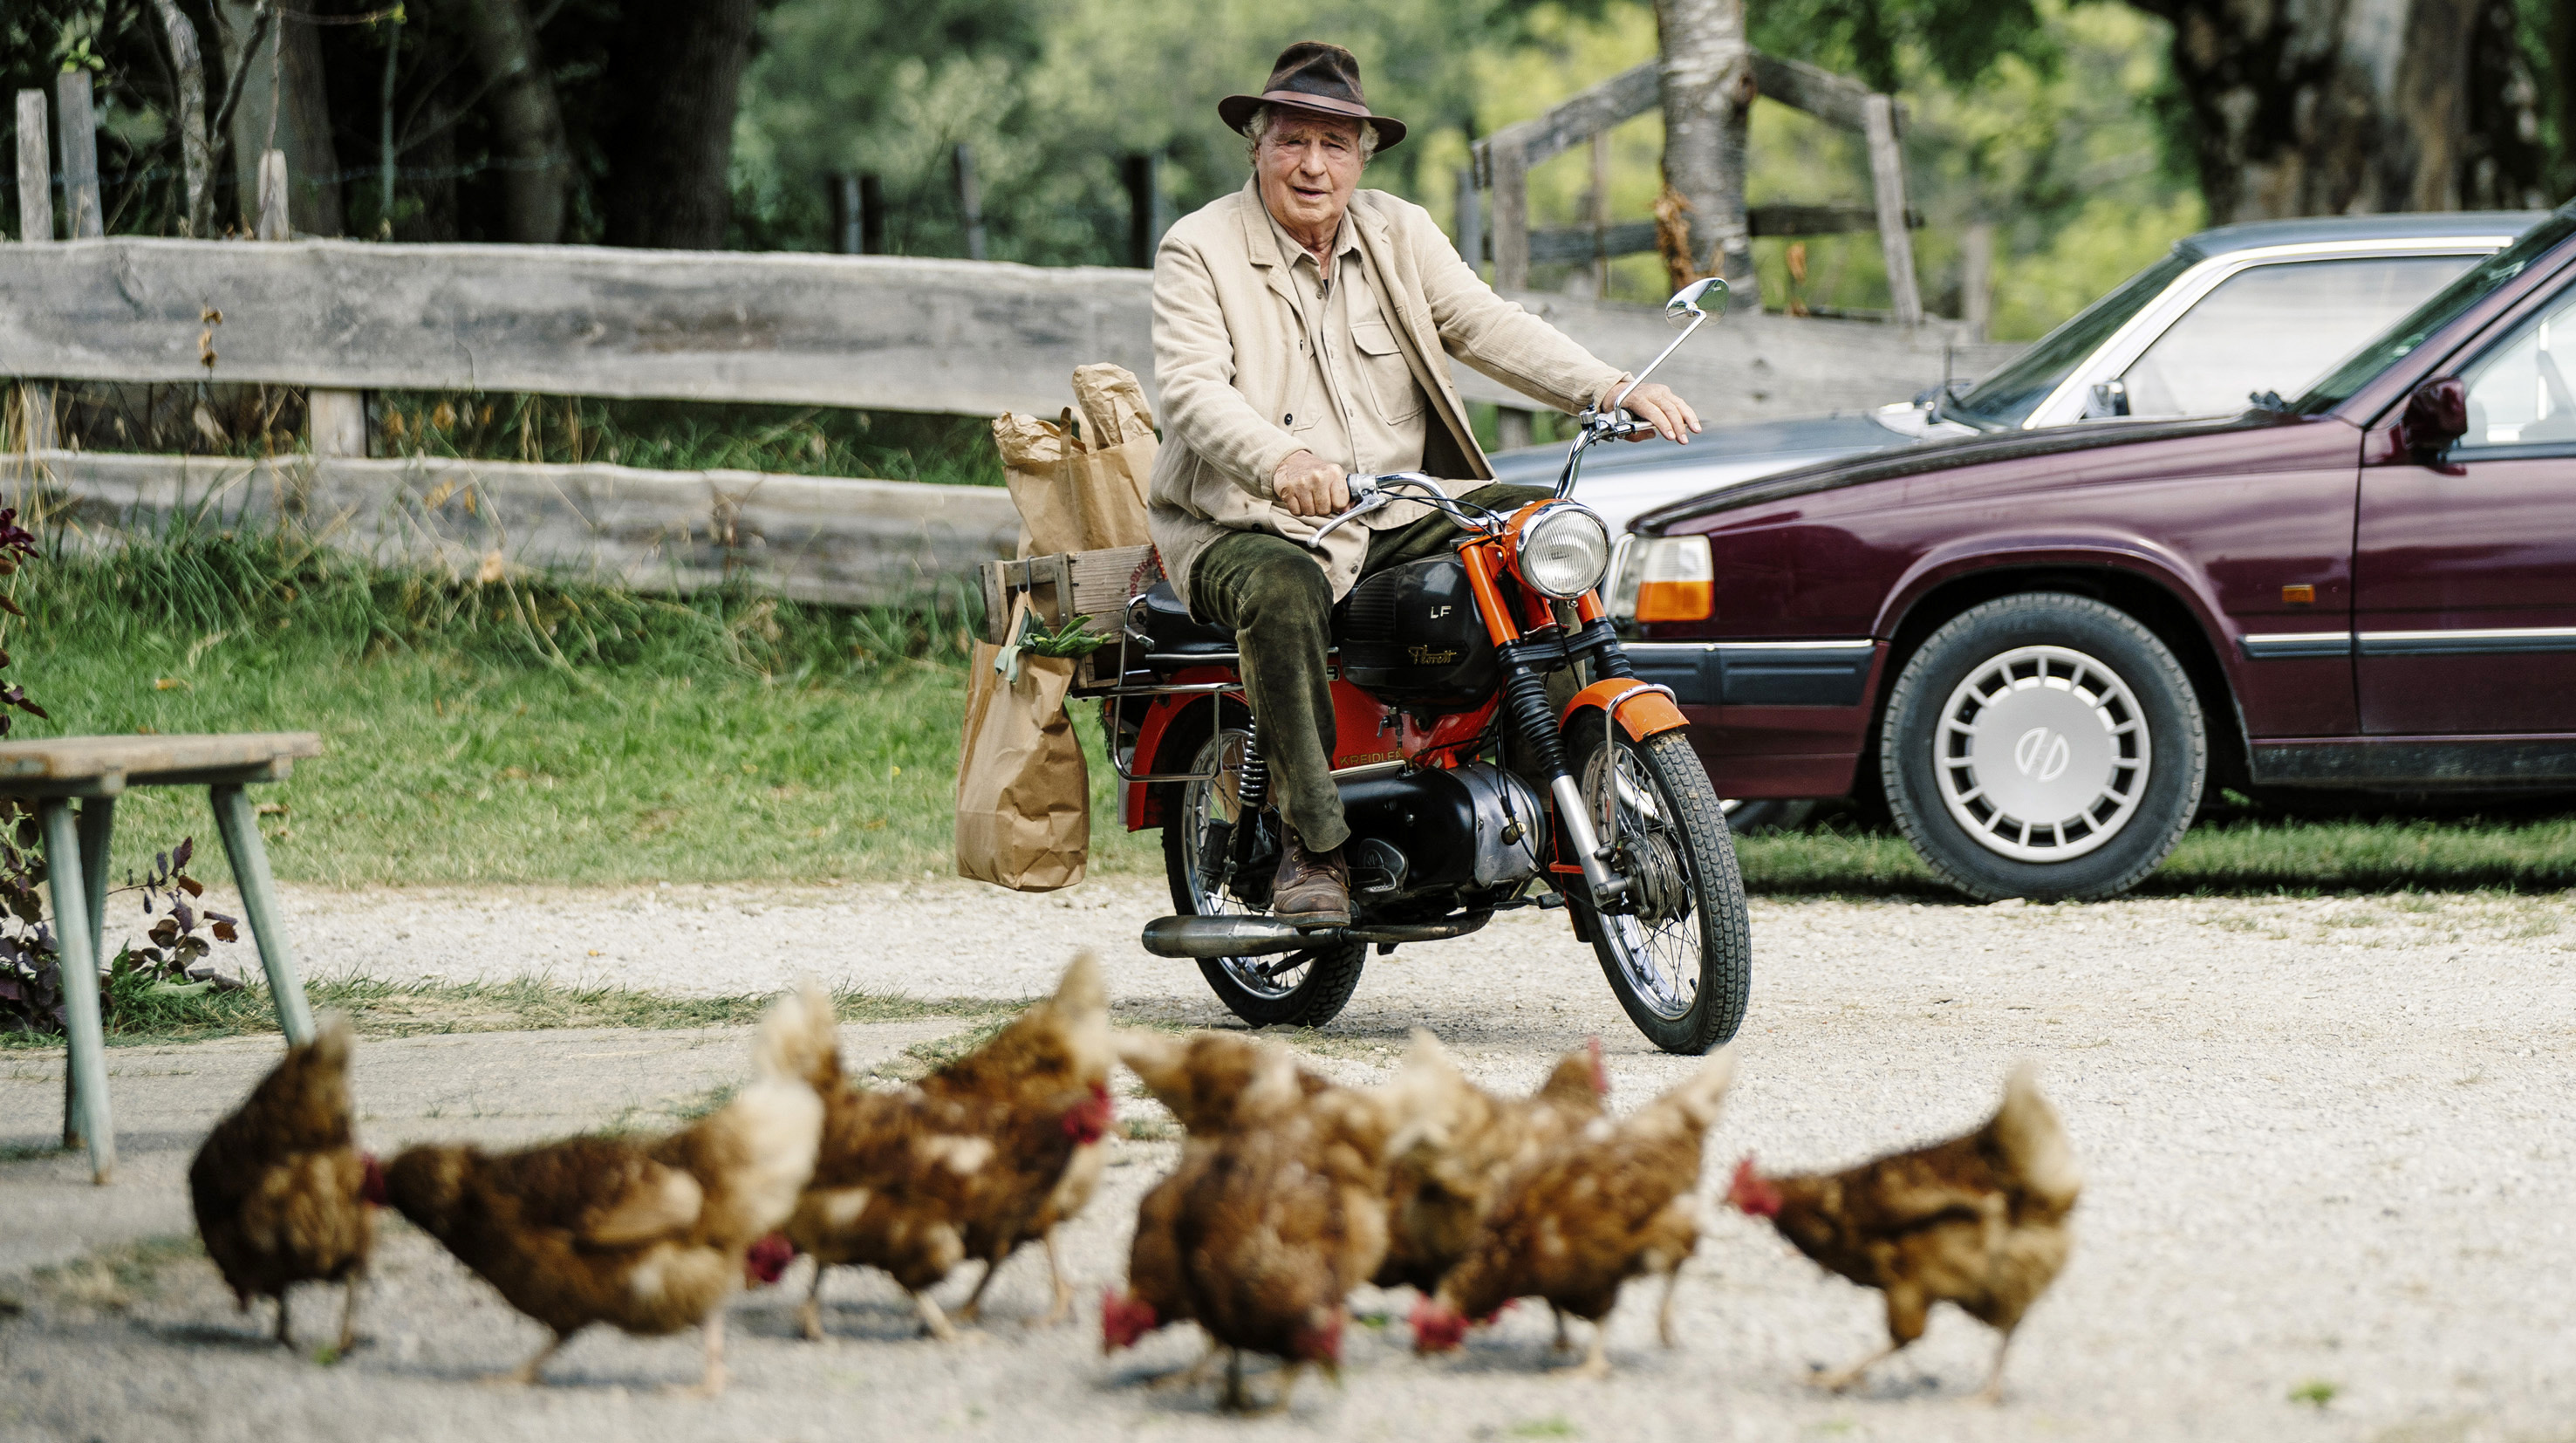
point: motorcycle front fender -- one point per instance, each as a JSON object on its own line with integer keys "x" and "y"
{"x": 1641, "y": 709}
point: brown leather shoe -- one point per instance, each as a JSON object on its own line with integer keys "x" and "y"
{"x": 1311, "y": 890}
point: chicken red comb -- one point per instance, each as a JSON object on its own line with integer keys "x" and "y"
{"x": 371, "y": 1186}
{"x": 1089, "y": 1120}
{"x": 1124, "y": 1318}
{"x": 767, "y": 1260}
{"x": 1751, "y": 1192}
{"x": 1437, "y": 1327}
{"x": 1600, "y": 1074}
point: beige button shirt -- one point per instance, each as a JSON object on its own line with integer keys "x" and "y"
{"x": 1360, "y": 406}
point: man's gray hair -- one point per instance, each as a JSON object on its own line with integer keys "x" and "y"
{"x": 1257, "y": 129}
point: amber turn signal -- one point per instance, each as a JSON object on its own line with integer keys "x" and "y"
{"x": 2302, "y": 595}
{"x": 1678, "y": 580}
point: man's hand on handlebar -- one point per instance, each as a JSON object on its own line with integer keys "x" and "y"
{"x": 1655, "y": 404}
{"x": 1310, "y": 486}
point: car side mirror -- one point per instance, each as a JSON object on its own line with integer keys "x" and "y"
{"x": 2437, "y": 414}
{"x": 2110, "y": 398}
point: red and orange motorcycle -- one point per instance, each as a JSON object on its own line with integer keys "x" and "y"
{"x": 1468, "y": 792}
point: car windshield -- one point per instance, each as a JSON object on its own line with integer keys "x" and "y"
{"x": 2006, "y": 398}
{"x": 2392, "y": 345}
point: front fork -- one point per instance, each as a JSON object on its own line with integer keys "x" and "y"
{"x": 1525, "y": 702}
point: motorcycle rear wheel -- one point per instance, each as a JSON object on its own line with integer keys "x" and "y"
{"x": 1680, "y": 956}
{"x": 1294, "y": 989}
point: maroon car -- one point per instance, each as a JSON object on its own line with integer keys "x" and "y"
{"x": 2044, "y": 647}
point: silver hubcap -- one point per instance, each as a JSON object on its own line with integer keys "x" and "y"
{"x": 1657, "y": 943}
{"x": 2042, "y": 754}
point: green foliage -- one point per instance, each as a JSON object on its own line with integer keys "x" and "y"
{"x": 1960, "y": 39}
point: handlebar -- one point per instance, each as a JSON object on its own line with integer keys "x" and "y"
{"x": 1372, "y": 493}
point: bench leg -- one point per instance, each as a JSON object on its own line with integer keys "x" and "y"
{"x": 77, "y": 948}
{"x": 97, "y": 823}
{"x": 238, "y": 822}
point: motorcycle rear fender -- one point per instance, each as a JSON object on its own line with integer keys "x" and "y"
{"x": 1651, "y": 713}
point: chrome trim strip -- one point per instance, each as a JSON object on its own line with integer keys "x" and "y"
{"x": 2278, "y": 645}
{"x": 1669, "y": 648}
{"x": 1368, "y": 769}
{"x": 2469, "y": 641}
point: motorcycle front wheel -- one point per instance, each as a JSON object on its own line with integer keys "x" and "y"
{"x": 1294, "y": 989}
{"x": 1677, "y": 948}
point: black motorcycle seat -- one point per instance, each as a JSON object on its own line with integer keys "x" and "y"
{"x": 1174, "y": 632}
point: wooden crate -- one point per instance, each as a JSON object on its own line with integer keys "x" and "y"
{"x": 1096, "y": 584}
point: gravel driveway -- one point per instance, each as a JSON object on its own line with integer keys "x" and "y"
{"x": 2328, "y": 1147}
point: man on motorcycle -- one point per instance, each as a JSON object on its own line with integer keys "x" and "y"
{"x": 1300, "y": 324}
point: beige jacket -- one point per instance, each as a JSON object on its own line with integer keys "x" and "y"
{"x": 1226, "y": 333}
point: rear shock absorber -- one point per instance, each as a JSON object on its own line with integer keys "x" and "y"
{"x": 1231, "y": 842}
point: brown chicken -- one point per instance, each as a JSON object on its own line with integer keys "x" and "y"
{"x": 282, "y": 1194}
{"x": 1266, "y": 1226}
{"x": 1199, "y": 1077}
{"x": 650, "y": 1236}
{"x": 1461, "y": 1144}
{"x": 1608, "y": 1204}
{"x": 1979, "y": 1221}
{"x": 989, "y": 1152}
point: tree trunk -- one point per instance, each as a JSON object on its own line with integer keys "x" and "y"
{"x": 1707, "y": 79}
{"x": 283, "y": 105}
{"x": 196, "y": 148}
{"x": 536, "y": 170}
{"x": 2355, "y": 106}
{"x": 678, "y": 64}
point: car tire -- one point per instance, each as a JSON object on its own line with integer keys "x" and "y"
{"x": 2044, "y": 746}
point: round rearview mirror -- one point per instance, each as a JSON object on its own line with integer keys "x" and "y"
{"x": 1695, "y": 300}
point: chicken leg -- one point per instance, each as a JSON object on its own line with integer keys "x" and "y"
{"x": 526, "y": 1373}
{"x": 349, "y": 1312}
{"x": 1837, "y": 1380}
{"x": 1596, "y": 1362}
{"x": 1563, "y": 1344}
{"x": 933, "y": 1321}
{"x": 973, "y": 1311}
{"x": 1664, "y": 1314}
{"x": 809, "y": 1314}
{"x": 716, "y": 1377}
{"x": 1993, "y": 1392}
{"x": 285, "y": 1333}
{"x": 1233, "y": 1400}
{"x": 1062, "y": 1307}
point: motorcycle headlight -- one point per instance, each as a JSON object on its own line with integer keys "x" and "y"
{"x": 1563, "y": 551}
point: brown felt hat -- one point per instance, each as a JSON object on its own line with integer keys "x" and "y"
{"x": 1312, "y": 75}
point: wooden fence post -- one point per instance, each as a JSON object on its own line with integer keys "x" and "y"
{"x": 1600, "y": 215}
{"x": 970, "y": 201}
{"x": 335, "y": 421}
{"x": 273, "y": 223}
{"x": 871, "y": 214}
{"x": 1887, "y": 178}
{"x": 76, "y": 131}
{"x": 35, "y": 170}
{"x": 1977, "y": 279}
{"x": 1471, "y": 220}
{"x": 849, "y": 214}
{"x": 35, "y": 225}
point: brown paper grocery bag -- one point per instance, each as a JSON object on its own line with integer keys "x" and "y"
{"x": 1034, "y": 454}
{"x": 1112, "y": 464}
{"x": 1023, "y": 788}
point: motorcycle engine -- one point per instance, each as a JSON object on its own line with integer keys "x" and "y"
{"x": 1431, "y": 831}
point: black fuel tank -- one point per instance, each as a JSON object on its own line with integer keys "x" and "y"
{"x": 1410, "y": 636}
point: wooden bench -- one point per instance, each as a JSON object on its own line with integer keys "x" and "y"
{"x": 97, "y": 770}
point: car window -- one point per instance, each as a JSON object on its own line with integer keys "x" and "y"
{"x": 2276, "y": 328}
{"x": 2518, "y": 393}
{"x": 2388, "y": 347}
{"x": 2007, "y": 397}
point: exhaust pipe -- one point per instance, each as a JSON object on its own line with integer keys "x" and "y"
{"x": 1206, "y": 937}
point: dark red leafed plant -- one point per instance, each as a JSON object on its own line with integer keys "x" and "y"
{"x": 31, "y": 991}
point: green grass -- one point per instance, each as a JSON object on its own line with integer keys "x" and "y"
{"x": 560, "y": 733}
{"x": 418, "y": 1009}
{"x": 2232, "y": 856}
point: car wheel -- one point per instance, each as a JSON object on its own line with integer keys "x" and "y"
{"x": 2043, "y": 746}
